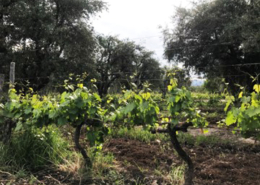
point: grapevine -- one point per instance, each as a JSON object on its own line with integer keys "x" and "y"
{"x": 247, "y": 116}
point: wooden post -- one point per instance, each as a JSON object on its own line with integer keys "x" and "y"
{"x": 12, "y": 74}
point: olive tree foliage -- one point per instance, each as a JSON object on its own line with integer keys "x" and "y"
{"x": 122, "y": 62}
{"x": 47, "y": 39}
{"x": 214, "y": 85}
{"x": 218, "y": 38}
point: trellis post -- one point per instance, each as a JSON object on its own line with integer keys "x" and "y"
{"x": 12, "y": 74}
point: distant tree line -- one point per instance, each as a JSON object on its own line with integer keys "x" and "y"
{"x": 218, "y": 38}
{"x": 50, "y": 39}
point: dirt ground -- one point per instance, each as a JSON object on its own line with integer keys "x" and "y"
{"x": 221, "y": 164}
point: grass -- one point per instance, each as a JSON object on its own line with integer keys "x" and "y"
{"x": 176, "y": 175}
{"x": 102, "y": 162}
{"x": 43, "y": 149}
{"x": 208, "y": 140}
{"x": 34, "y": 149}
{"x": 138, "y": 133}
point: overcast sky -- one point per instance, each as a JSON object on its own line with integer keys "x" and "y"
{"x": 139, "y": 21}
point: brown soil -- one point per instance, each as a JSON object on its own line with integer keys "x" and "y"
{"x": 221, "y": 165}
{"x": 140, "y": 160}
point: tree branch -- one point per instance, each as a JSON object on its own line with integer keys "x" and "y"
{"x": 182, "y": 126}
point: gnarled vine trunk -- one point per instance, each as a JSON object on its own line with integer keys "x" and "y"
{"x": 189, "y": 172}
{"x": 79, "y": 147}
{"x": 6, "y": 131}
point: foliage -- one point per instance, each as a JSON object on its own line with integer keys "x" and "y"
{"x": 47, "y": 39}
{"x": 139, "y": 109}
{"x": 117, "y": 61}
{"x": 213, "y": 38}
{"x": 34, "y": 149}
{"x": 180, "y": 105}
{"x": 78, "y": 107}
{"x": 181, "y": 75}
{"x": 214, "y": 85}
{"x": 247, "y": 116}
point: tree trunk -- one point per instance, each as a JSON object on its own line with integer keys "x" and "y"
{"x": 189, "y": 172}
{"x": 79, "y": 147}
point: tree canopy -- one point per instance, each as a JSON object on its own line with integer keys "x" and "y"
{"x": 218, "y": 38}
{"x": 121, "y": 62}
{"x": 47, "y": 39}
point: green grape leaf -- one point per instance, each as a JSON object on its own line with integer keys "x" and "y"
{"x": 129, "y": 107}
{"x": 28, "y": 110}
{"x": 73, "y": 111}
{"x": 257, "y": 88}
{"x": 79, "y": 103}
{"x": 240, "y": 94}
{"x": 92, "y": 137}
{"x": 52, "y": 114}
{"x": 230, "y": 119}
{"x": 92, "y": 110}
{"x": 97, "y": 96}
{"x": 177, "y": 98}
{"x": 62, "y": 121}
{"x": 245, "y": 99}
{"x": 144, "y": 106}
{"x": 19, "y": 126}
{"x": 227, "y": 105}
{"x": 253, "y": 111}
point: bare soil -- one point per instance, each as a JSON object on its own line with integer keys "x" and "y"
{"x": 221, "y": 164}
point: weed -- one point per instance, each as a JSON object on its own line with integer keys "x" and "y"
{"x": 101, "y": 162}
{"x": 138, "y": 134}
{"x": 33, "y": 149}
{"x": 209, "y": 140}
{"x": 176, "y": 175}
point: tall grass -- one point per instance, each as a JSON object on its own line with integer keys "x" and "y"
{"x": 34, "y": 149}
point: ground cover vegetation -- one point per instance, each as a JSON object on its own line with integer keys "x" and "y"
{"x": 121, "y": 118}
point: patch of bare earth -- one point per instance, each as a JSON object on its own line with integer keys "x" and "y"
{"x": 227, "y": 165}
{"x": 140, "y": 160}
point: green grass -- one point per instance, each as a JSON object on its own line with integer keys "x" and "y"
{"x": 208, "y": 140}
{"x": 176, "y": 175}
{"x": 138, "y": 133}
{"x": 34, "y": 149}
{"x": 102, "y": 162}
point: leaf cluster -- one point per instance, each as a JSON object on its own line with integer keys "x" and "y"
{"x": 247, "y": 116}
{"x": 80, "y": 106}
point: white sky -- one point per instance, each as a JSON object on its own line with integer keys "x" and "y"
{"x": 139, "y": 21}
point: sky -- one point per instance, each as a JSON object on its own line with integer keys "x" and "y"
{"x": 139, "y": 21}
